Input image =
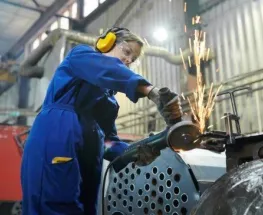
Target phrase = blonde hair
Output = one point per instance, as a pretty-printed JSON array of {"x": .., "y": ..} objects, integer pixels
[{"x": 128, "y": 36}]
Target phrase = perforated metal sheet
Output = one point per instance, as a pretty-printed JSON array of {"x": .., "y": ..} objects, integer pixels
[{"x": 163, "y": 187}]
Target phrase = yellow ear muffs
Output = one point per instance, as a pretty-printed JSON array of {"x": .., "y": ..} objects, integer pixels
[{"x": 105, "y": 44}]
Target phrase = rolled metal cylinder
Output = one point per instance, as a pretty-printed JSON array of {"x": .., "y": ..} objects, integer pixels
[{"x": 237, "y": 192}]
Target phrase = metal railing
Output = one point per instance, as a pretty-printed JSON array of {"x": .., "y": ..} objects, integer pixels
[{"x": 147, "y": 119}]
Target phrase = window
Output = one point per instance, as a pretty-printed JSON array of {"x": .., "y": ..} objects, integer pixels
[
  {"x": 89, "y": 6},
  {"x": 43, "y": 36},
  {"x": 74, "y": 10},
  {"x": 54, "y": 25},
  {"x": 35, "y": 44},
  {"x": 64, "y": 22}
]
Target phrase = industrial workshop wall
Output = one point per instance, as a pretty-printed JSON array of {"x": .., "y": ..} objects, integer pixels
[
  {"x": 38, "y": 86},
  {"x": 9, "y": 98},
  {"x": 144, "y": 17},
  {"x": 235, "y": 31},
  {"x": 35, "y": 87}
]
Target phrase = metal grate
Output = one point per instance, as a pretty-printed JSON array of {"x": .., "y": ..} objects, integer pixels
[{"x": 163, "y": 187}]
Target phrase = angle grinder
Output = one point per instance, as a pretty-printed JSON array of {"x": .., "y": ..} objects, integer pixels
[{"x": 178, "y": 135}]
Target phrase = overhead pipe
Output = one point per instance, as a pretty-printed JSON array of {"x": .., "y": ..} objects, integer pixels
[{"x": 29, "y": 67}]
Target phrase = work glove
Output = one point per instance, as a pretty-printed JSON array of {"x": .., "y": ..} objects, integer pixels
[
  {"x": 146, "y": 155},
  {"x": 169, "y": 105},
  {"x": 113, "y": 149}
]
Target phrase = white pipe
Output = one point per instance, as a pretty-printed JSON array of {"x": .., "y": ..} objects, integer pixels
[{"x": 29, "y": 68}]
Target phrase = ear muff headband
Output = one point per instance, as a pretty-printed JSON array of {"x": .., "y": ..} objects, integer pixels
[{"x": 107, "y": 40}]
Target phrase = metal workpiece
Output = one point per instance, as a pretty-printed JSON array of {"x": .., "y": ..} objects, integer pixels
[
  {"x": 239, "y": 192},
  {"x": 166, "y": 186}
]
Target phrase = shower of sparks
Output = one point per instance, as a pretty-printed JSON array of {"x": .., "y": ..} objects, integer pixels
[
  {"x": 189, "y": 61},
  {"x": 182, "y": 58},
  {"x": 183, "y": 96},
  {"x": 197, "y": 20},
  {"x": 201, "y": 107},
  {"x": 207, "y": 54},
  {"x": 190, "y": 45},
  {"x": 146, "y": 42},
  {"x": 196, "y": 140}
]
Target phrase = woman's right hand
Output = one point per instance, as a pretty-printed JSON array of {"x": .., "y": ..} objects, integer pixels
[{"x": 170, "y": 107}]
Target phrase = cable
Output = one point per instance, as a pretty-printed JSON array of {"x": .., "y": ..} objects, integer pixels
[{"x": 104, "y": 182}]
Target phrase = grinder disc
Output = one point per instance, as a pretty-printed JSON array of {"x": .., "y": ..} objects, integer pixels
[{"x": 183, "y": 136}]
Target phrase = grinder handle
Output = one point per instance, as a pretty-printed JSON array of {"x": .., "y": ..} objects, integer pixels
[
  {"x": 157, "y": 142},
  {"x": 165, "y": 97}
]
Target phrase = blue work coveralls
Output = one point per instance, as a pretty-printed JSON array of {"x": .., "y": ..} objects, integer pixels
[{"x": 78, "y": 114}]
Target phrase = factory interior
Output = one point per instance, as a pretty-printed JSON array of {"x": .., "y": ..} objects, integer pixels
[{"x": 204, "y": 57}]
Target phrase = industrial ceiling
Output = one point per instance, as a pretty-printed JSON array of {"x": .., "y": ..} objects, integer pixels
[{"x": 17, "y": 18}]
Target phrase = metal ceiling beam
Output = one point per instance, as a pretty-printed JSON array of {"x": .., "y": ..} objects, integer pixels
[
  {"x": 39, "y": 9},
  {"x": 36, "y": 3},
  {"x": 80, "y": 9},
  {"x": 209, "y": 5},
  {"x": 125, "y": 13},
  {"x": 80, "y": 25},
  {"x": 124, "y": 20},
  {"x": 22, "y": 6},
  {"x": 42, "y": 20}
]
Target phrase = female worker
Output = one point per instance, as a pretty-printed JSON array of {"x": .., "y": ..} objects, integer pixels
[{"x": 61, "y": 167}]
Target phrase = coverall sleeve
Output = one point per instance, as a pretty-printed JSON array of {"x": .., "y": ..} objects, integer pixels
[
  {"x": 105, "y": 72},
  {"x": 113, "y": 145}
]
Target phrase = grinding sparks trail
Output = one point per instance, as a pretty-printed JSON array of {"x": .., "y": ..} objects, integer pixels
[{"x": 200, "y": 106}]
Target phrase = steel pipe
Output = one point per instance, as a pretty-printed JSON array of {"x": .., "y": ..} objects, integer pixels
[{"x": 27, "y": 70}]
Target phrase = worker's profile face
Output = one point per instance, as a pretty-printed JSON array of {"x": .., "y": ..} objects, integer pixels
[{"x": 127, "y": 52}]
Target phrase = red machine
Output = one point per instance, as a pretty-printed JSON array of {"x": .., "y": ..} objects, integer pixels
[
  {"x": 11, "y": 141},
  {"x": 11, "y": 148}
]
